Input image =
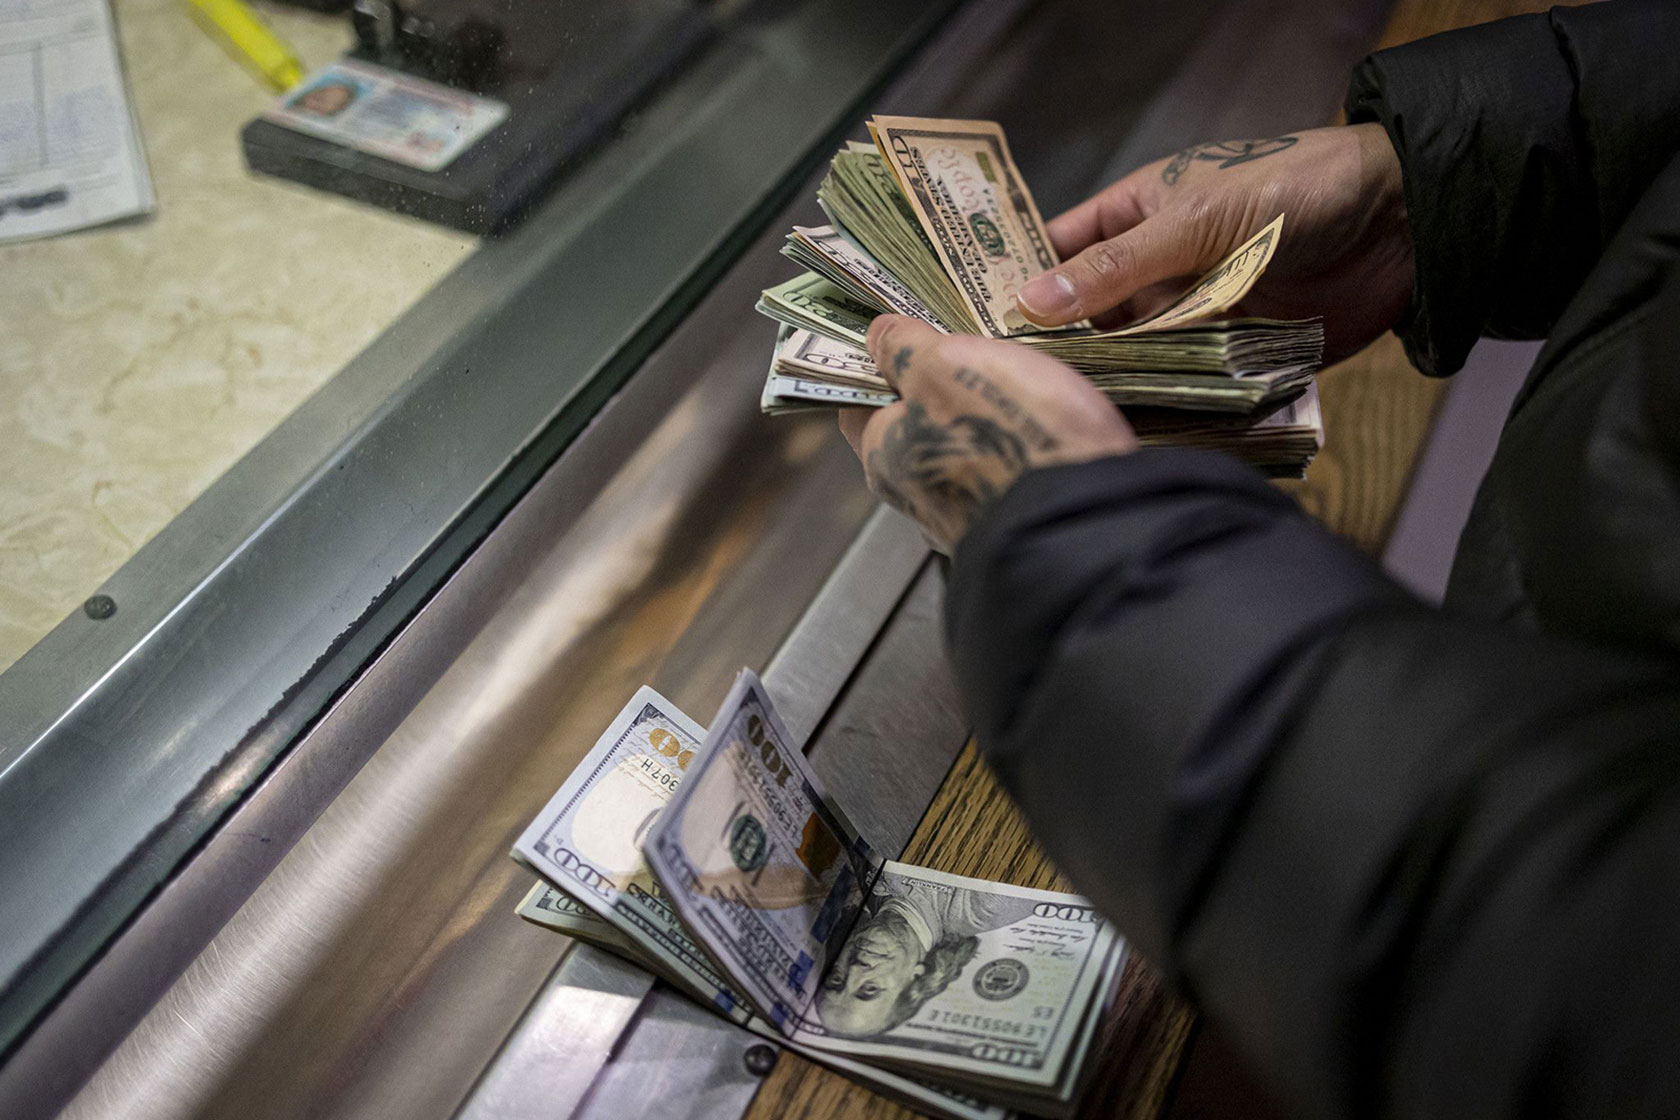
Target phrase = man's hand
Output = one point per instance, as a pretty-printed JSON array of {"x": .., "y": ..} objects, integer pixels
[
  {"x": 1346, "y": 252},
  {"x": 975, "y": 415}
]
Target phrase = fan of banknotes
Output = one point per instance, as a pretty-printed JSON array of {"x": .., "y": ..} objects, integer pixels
[
  {"x": 934, "y": 221},
  {"x": 715, "y": 860}
]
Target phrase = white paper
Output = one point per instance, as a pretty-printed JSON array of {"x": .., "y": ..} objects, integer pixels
[{"x": 70, "y": 152}]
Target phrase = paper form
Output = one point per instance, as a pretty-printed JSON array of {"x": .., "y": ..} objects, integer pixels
[{"x": 70, "y": 152}]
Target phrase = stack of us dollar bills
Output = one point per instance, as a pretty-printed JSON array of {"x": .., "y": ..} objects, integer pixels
[
  {"x": 934, "y": 221},
  {"x": 715, "y": 860}
]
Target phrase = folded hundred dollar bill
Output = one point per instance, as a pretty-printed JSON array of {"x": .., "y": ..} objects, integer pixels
[
  {"x": 987, "y": 988},
  {"x": 596, "y": 887},
  {"x": 960, "y": 997}
]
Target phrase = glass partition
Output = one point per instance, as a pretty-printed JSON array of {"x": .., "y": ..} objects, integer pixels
[
  {"x": 140, "y": 359},
  {"x": 244, "y": 437}
]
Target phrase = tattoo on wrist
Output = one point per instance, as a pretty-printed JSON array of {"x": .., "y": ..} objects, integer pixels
[
  {"x": 959, "y": 466},
  {"x": 1226, "y": 153},
  {"x": 944, "y": 473}
]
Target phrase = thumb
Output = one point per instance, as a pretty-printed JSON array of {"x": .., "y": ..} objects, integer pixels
[{"x": 1110, "y": 272}]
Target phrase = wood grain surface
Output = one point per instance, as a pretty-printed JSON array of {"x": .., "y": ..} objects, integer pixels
[{"x": 1377, "y": 411}]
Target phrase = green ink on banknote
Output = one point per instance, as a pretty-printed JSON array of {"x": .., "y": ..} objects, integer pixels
[{"x": 748, "y": 846}]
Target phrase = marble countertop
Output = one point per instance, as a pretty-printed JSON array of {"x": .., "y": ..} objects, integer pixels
[{"x": 138, "y": 361}]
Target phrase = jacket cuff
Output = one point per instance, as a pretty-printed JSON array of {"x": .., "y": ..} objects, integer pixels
[
  {"x": 1062, "y": 520},
  {"x": 1161, "y": 603},
  {"x": 1480, "y": 119}
]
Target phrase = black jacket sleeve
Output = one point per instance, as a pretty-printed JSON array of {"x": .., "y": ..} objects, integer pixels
[
  {"x": 1415, "y": 865},
  {"x": 1524, "y": 143}
]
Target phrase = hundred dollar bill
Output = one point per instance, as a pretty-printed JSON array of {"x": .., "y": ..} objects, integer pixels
[
  {"x": 1060, "y": 1100},
  {"x": 588, "y": 839},
  {"x": 763, "y": 868},
  {"x": 975, "y": 208},
  {"x": 616, "y": 824},
  {"x": 546, "y": 906},
  {"x": 977, "y": 983},
  {"x": 920, "y": 1095},
  {"x": 986, "y": 981},
  {"x": 552, "y": 908}
]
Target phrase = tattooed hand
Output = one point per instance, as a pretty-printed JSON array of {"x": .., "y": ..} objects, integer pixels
[
  {"x": 1346, "y": 252},
  {"x": 975, "y": 415}
]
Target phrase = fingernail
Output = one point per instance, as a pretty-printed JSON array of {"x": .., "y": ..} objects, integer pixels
[{"x": 1049, "y": 296}]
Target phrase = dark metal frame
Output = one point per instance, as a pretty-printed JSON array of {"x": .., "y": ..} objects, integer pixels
[{"x": 237, "y": 626}]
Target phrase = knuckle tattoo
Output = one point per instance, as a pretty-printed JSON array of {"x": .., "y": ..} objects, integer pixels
[
  {"x": 1109, "y": 261},
  {"x": 901, "y": 360}
]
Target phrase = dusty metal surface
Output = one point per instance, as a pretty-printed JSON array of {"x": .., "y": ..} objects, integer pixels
[
  {"x": 890, "y": 739},
  {"x": 679, "y": 1061},
  {"x": 549, "y": 1065}
]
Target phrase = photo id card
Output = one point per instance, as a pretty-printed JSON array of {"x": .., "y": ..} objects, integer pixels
[{"x": 387, "y": 113}]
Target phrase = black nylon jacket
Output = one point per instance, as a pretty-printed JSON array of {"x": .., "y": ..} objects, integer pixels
[{"x": 1415, "y": 862}]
